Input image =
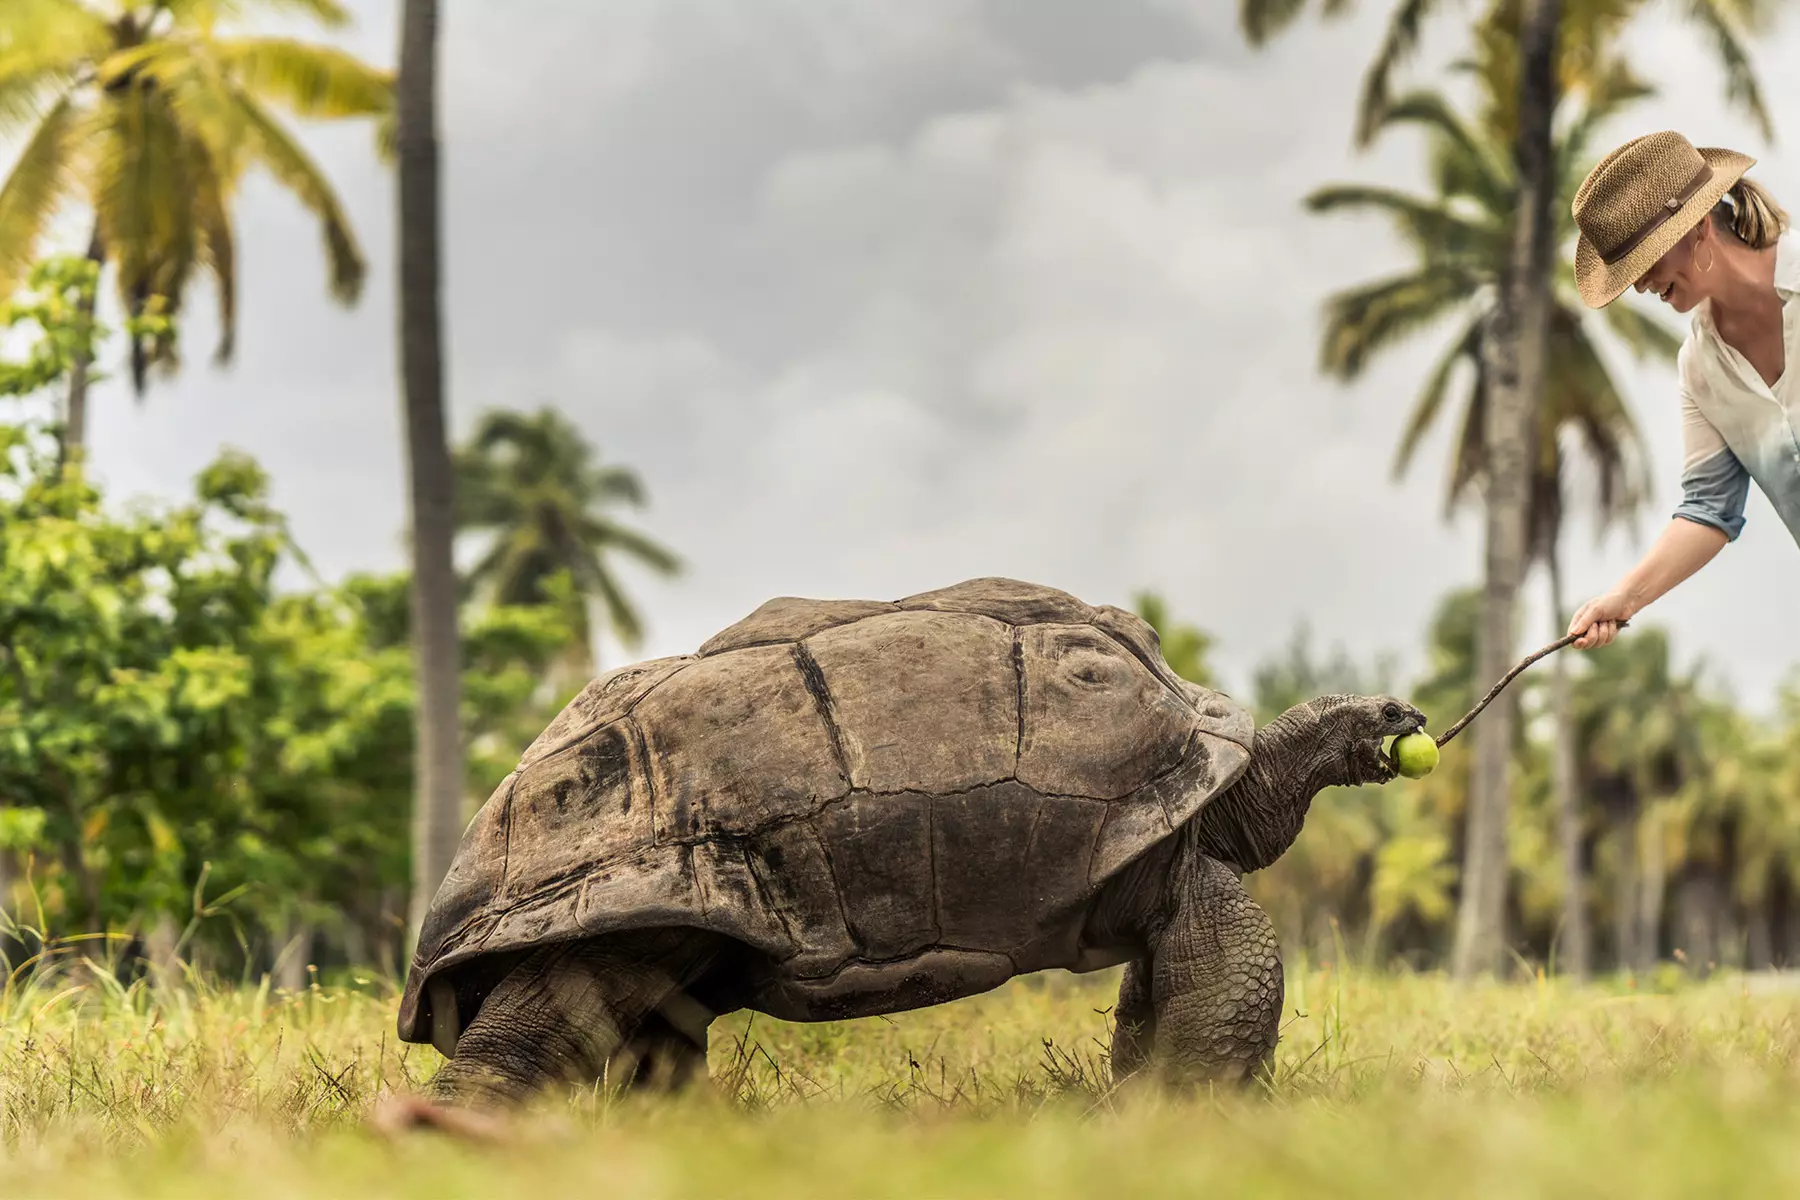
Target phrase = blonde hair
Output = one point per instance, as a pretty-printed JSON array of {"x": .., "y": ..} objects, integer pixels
[{"x": 1750, "y": 212}]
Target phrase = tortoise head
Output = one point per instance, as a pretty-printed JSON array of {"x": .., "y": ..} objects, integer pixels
[{"x": 1350, "y": 730}]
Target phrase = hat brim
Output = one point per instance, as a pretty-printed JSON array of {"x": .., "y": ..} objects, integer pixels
[{"x": 1601, "y": 283}]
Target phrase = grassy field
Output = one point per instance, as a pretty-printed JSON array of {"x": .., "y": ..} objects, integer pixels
[{"x": 1386, "y": 1085}]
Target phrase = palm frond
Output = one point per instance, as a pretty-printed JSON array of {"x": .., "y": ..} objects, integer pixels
[
  {"x": 601, "y": 533},
  {"x": 204, "y": 15},
  {"x": 1362, "y": 322},
  {"x": 217, "y": 251},
  {"x": 1397, "y": 45},
  {"x": 1261, "y": 20},
  {"x": 619, "y": 484},
  {"x": 308, "y": 80},
  {"x": 39, "y": 181},
  {"x": 1469, "y": 457},
  {"x": 237, "y": 132},
  {"x": 1431, "y": 225},
  {"x": 295, "y": 170},
  {"x": 146, "y": 171},
  {"x": 1645, "y": 336},
  {"x": 45, "y": 35},
  {"x": 1465, "y": 349},
  {"x": 1463, "y": 164},
  {"x": 1718, "y": 20},
  {"x": 619, "y": 613}
]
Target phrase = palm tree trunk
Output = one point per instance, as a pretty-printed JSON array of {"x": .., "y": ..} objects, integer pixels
[
  {"x": 74, "y": 437},
  {"x": 1625, "y": 891},
  {"x": 1652, "y": 885},
  {"x": 159, "y": 951},
  {"x": 293, "y": 955},
  {"x": 1577, "y": 956},
  {"x": 437, "y": 803},
  {"x": 1516, "y": 347}
]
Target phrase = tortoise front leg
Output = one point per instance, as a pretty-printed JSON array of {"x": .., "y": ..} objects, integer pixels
[
  {"x": 1134, "y": 1022},
  {"x": 1215, "y": 981}
]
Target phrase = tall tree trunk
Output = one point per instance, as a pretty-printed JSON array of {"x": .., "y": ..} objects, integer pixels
[
  {"x": 74, "y": 437},
  {"x": 1516, "y": 350},
  {"x": 159, "y": 952},
  {"x": 1577, "y": 939},
  {"x": 1759, "y": 942},
  {"x": 1653, "y": 884},
  {"x": 1625, "y": 891},
  {"x": 437, "y": 804},
  {"x": 293, "y": 955}
]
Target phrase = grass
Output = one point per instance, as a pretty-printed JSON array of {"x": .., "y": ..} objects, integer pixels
[{"x": 1385, "y": 1085}]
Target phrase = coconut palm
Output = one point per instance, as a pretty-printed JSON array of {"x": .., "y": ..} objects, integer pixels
[
  {"x": 149, "y": 115},
  {"x": 533, "y": 483},
  {"x": 1462, "y": 237},
  {"x": 1588, "y": 32}
]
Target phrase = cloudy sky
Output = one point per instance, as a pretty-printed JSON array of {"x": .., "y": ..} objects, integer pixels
[{"x": 878, "y": 297}]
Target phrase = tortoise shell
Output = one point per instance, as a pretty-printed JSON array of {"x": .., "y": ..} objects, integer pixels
[{"x": 937, "y": 785}]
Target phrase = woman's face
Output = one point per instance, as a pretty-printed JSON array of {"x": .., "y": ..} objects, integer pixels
[{"x": 1674, "y": 279}]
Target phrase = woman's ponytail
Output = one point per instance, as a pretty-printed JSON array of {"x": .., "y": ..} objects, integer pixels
[{"x": 1750, "y": 212}]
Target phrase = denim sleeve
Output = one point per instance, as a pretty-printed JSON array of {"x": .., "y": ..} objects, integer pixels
[{"x": 1713, "y": 493}]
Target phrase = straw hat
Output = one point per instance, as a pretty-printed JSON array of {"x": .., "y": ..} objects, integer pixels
[{"x": 1638, "y": 202}]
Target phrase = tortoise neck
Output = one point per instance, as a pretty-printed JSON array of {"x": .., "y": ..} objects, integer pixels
[{"x": 1253, "y": 822}]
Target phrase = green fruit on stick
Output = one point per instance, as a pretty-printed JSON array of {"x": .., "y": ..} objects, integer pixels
[{"x": 1416, "y": 755}]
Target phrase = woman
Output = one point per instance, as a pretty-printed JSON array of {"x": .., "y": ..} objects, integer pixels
[{"x": 1686, "y": 226}]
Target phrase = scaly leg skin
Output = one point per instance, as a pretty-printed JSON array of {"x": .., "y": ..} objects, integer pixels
[
  {"x": 661, "y": 1057},
  {"x": 1216, "y": 983},
  {"x": 1134, "y": 1023},
  {"x": 558, "y": 1017}
]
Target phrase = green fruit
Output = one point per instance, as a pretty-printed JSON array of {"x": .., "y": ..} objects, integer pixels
[{"x": 1416, "y": 755}]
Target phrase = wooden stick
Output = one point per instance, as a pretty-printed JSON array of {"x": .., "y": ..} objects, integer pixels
[{"x": 1511, "y": 675}]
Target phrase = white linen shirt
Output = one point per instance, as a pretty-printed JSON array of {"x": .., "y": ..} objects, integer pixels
[{"x": 1735, "y": 427}]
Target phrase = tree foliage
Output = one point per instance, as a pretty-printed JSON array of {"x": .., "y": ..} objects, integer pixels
[{"x": 179, "y": 733}]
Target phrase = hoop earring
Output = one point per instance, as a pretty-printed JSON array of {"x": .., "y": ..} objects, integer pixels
[{"x": 1711, "y": 259}]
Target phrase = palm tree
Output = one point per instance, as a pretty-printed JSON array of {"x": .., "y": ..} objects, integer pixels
[
  {"x": 438, "y": 780},
  {"x": 144, "y": 112},
  {"x": 533, "y": 482},
  {"x": 1587, "y": 32},
  {"x": 1462, "y": 236}
]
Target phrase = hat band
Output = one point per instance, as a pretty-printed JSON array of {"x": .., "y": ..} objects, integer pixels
[{"x": 1661, "y": 218}]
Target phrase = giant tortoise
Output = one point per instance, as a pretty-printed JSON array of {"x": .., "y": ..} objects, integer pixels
[{"x": 839, "y": 808}]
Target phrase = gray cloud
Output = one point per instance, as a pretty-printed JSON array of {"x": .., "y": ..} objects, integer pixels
[{"x": 877, "y": 297}]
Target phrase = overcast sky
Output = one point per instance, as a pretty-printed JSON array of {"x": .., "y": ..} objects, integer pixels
[{"x": 879, "y": 296}]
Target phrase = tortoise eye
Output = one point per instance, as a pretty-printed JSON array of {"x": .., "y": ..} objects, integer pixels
[{"x": 1391, "y": 712}]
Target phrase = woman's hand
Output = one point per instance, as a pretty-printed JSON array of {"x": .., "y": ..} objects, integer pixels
[{"x": 1599, "y": 619}]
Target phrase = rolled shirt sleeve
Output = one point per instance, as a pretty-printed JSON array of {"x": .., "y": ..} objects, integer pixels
[{"x": 1714, "y": 483}]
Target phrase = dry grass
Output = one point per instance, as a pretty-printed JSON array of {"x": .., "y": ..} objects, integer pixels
[{"x": 1385, "y": 1085}]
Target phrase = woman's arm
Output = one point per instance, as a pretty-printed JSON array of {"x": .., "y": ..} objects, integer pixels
[
  {"x": 1684, "y": 547},
  {"x": 1714, "y": 485}
]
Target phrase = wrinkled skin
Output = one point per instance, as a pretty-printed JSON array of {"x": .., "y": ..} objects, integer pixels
[{"x": 1200, "y": 1001}]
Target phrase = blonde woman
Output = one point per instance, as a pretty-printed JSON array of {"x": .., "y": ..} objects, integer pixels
[{"x": 1684, "y": 225}]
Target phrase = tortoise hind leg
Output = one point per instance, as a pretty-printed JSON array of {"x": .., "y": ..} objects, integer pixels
[
  {"x": 562, "y": 1014},
  {"x": 1215, "y": 982},
  {"x": 665, "y": 1054}
]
